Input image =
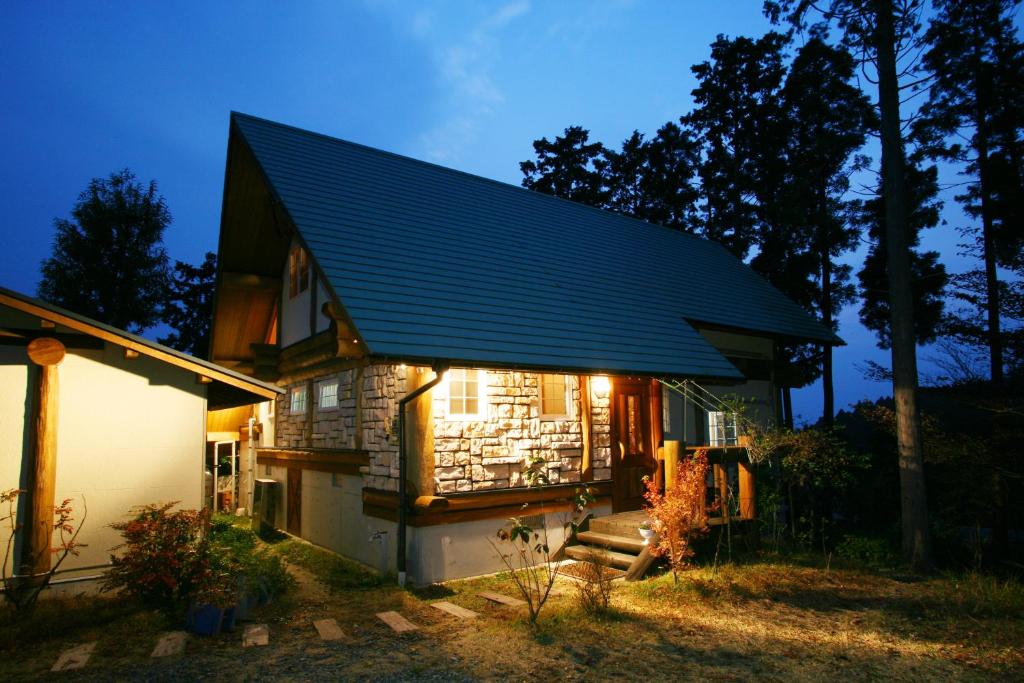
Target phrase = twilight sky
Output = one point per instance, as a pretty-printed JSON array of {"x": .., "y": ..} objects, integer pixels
[{"x": 90, "y": 88}]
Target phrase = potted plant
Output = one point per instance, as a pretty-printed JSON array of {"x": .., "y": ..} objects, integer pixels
[{"x": 647, "y": 531}]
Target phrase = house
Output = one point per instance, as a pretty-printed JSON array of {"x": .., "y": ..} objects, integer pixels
[
  {"x": 103, "y": 417},
  {"x": 535, "y": 328}
]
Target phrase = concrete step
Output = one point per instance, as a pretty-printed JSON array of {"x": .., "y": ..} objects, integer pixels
[
  {"x": 615, "y": 559},
  {"x": 613, "y": 541}
]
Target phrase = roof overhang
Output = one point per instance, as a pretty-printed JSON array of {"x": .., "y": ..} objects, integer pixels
[{"x": 226, "y": 387}]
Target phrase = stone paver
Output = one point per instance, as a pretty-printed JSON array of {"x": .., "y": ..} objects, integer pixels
[
  {"x": 74, "y": 657},
  {"x": 397, "y": 622},
  {"x": 172, "y": 643},
  {"x": 255, "y": 635},
  {"x": 501, "y": 599},
  {"x": 455, "y": 610},
  {"x": 328, "y": 629}
]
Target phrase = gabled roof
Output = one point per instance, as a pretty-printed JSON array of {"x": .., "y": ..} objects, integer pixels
[
  {"x": 227, "y": 387},
  {"x": 434, "y": 263}
]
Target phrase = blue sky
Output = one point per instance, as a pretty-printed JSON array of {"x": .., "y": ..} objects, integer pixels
[{"x": 89, "y": 88}]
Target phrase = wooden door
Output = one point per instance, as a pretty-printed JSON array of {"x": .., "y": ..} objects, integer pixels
[
  {"x": 295, "y": 501},
  {"x": 634, "y": 449}
]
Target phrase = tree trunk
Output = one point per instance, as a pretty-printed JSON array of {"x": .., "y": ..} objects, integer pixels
[
  {"x": 827, "y": 388},
  {"x": 995, "y": 339},
  {"x": 913, "y": 501},
  {"x": 787, "y": 407}
]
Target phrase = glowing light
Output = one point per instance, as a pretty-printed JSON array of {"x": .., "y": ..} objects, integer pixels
[{"x": 601, "y": 384}]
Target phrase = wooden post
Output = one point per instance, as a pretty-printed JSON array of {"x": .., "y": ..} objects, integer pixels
[
  {"x": 586, "y": 420},
  {"x": 419, "y": 433},
  {"x": 671, "y": 450},
  {"x": 722, "y": 480},
  {"x": 747, "y": 493},
  {"x": 46, "y": 353}
]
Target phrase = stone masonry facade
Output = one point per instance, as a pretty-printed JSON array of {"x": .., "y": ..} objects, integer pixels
[{"x": 489, "y": 452}]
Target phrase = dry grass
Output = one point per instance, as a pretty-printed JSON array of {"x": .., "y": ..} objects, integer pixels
[{"x": 764, "y": 620}]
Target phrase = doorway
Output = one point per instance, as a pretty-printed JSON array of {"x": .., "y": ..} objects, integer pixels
[{"x": 636, "y": 432}]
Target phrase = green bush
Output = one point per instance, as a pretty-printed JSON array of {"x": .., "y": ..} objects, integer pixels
[{"x": 866, "y": 549}]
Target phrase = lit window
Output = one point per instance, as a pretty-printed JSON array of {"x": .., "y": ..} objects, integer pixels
[
  {"x": 554, "y": 396},
  {"x": 328, "y": 395},
  {"x": 298, "y": 271},
  {"x": 298, "y": 403},
  {"x": 464, "y": 392},
  {"x": 722, "y": 429}
]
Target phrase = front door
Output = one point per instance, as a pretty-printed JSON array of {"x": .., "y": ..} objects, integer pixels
[{"x": 634, "y": 449}]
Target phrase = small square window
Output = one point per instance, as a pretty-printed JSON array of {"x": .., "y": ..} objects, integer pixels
[
  {"x": 328, "y": 395},
  {"x": 554, "y": 396},
  {"x": 465, "y": 393},
  {"x": 298, "y": 400}
]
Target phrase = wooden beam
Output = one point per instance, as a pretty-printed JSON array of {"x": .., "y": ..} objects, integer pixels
[
  {"x": 120, "y": 339},
  {"x": 419, "y": 433},
  {"x": 46, "y": 353},
  {"x": 131, "y": 354},
  {"x": 671, "y": 450},
  {"x": 747, "y": 492},
  {"x": 586, "y": 424},
  {"x": 339, "y": 461}
]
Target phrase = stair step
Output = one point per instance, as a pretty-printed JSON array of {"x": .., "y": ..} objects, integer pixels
[
  {"x": 614, "y": 541},
  {"x": 615, "y": 559},
  {"x": 615, "y": 527}
]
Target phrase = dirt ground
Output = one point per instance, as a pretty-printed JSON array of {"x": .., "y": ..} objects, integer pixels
[{"x": 767, "y": 620}]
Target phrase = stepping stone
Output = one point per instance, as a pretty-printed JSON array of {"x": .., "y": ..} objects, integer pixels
[
  {"x": 172, "y": 643},
  {"x": 328, "y": 629},
  {"x": 397, "y": 622},
  {"x": 450, "y": 608},
  {"x": 74, "y": 657},
  {"x": 501, "y": 599},
  {"x": 255, "y": 634}
]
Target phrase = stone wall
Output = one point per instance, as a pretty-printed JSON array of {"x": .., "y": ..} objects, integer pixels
[{"x": 469, "y": 455}]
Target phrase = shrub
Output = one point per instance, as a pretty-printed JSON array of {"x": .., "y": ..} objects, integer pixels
[
  {"x": 166, "y": 559},
  {"x": 869, "y": 550},
  {"x": 681, "y": 513},
  {"x": 594, "y": 587}
]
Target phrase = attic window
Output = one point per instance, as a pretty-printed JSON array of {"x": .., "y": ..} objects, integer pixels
[
  {"x": 298, "y": 400},
  {"x": 554, "y": 396},
  {"x": 298, "y": 271}
]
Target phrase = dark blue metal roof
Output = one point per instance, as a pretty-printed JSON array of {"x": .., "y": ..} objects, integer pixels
[{"x": 435, "y": 263}]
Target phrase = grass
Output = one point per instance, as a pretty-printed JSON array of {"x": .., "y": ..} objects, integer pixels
[{"x": 771, "y": 617}]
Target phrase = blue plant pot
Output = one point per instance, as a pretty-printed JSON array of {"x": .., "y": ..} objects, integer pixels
[{"x": 204, "y": 620}]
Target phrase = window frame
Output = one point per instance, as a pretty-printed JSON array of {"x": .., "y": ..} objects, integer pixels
[
  {"x": 291, "y": 400},
  {"x": 298, "y": 271},
  {"x": 728, "y": 420},
  {"x": 567, "y": 391},
  {"x": 320, "y": 394},
  {"x": 481, "y": 385}
]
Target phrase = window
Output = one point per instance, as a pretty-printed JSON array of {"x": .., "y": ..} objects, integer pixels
[
  {"x": 666, "y": 414},
  {"x": 298, "y": 403},
  {"x": 328, "y": 395},
  {"x": 722, "y": 429},
  {"x": 465, "y": 392},
  {"x": 298, "y": 271},
  {"x": 554, "y": 396}
]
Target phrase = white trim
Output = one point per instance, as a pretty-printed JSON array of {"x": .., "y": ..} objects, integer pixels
[
  {"x": 481, "y": 404},
  {"x": 567, "y": 388}
]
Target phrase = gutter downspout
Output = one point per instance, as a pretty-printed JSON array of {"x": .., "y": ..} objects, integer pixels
[{"x": 439, "y": 370}]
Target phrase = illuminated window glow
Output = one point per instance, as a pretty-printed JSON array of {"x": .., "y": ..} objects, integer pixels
[
  {"x": 554, "y": 396},
  {"x": 465, "y": 393}
]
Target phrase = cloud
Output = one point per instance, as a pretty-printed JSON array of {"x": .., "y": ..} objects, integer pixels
[{"x": 465, "y": 67}]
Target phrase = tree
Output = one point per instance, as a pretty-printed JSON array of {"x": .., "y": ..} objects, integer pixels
[
  {"x": 740, "y": 125},
  {"x": 825, "y": 132},
  {"x": 880, "y": 33},
  {"x": 973, "y": 116},
  {"x": 189, "y": 306},
  {"x": 571, "y": 167},
  {"x": 928, "y": 275},
  {"x": 108, "y": 261}
]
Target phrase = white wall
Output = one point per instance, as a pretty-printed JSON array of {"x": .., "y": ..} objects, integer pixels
[{"x": 130, "y": 432}]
